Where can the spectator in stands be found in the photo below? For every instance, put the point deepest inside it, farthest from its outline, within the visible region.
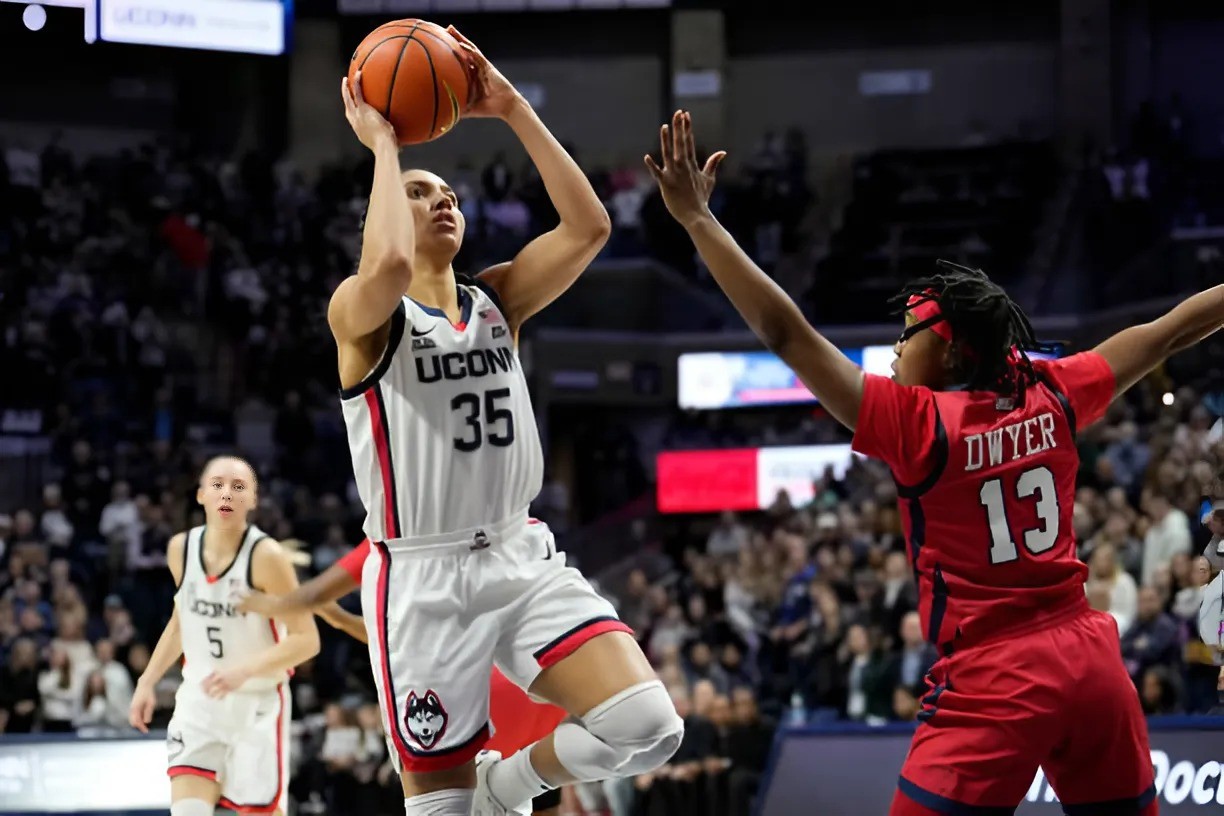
(1168, 534)
(728, 536)
(1106, 575)
(869, 694)
(916, 658)
(1153, 639)
(1160, 691)
(20, 701)
(61, 689)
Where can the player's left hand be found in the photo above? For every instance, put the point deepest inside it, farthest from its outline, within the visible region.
(492, 95)
(686, 186)
(220, 683)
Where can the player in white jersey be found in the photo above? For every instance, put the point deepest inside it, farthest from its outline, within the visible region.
(228, 738)
(447, 458)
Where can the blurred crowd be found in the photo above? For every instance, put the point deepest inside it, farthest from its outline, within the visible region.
(159, 307)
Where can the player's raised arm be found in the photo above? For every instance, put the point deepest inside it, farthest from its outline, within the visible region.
(364, 302)
(272, 572)
(772, 316)
(168, 650)
(548, 265)
(1133, 352)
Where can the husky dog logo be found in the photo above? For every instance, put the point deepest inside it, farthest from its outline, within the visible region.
(426, 718)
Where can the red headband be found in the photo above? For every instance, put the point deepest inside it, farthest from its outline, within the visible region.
(926, 314)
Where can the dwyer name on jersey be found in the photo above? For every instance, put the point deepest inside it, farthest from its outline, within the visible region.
(442, 433)
(1033, 435)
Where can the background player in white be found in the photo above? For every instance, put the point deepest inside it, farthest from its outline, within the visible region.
(447, 458)
(228, 737)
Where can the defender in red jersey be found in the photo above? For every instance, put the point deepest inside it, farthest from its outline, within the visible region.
(981, 441)
(518, 721)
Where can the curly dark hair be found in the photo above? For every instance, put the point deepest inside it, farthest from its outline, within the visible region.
(991, 333)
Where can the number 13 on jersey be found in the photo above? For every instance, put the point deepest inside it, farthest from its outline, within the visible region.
(1034, 485)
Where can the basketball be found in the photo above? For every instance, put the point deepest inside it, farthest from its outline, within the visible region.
(416, 75)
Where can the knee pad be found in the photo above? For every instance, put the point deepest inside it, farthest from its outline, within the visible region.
(631, 733)
(192, 807)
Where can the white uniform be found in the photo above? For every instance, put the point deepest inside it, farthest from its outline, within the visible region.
(242, 740)
(447, 457)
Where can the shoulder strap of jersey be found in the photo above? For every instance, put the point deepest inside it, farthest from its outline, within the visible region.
(253, 537)
(191, 551)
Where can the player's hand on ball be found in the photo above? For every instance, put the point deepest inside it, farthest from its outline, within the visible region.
(492, 93)
(140, 712)
(369, 125)
(220, 683)
(685, 184)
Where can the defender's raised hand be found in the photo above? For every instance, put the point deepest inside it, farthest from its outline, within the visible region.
(685, 185)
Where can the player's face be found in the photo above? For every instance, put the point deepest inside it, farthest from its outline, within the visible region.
(921, 359)
(227, 492)
(435, 213)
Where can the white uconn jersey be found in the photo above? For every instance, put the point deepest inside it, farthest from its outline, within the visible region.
(442, 434)
(215, 635)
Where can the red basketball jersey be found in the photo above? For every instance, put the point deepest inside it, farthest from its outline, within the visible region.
(986, 489)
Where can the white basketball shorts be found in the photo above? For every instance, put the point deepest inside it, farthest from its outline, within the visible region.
(241, 741)
(440, 617)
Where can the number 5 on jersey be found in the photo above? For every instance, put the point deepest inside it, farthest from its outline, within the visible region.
(500, 421)
(215, 647)
(1036, 484)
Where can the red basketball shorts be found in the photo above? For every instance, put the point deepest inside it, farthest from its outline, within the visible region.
(1057, 698)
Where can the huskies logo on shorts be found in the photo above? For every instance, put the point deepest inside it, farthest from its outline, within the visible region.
(425, 718)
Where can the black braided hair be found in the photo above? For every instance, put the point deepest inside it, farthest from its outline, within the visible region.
(986, 324)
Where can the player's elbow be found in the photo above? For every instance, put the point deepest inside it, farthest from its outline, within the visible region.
(599, 226)
(590, 231)
(394, 266)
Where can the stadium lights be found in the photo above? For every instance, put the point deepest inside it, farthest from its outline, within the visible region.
(35, 15)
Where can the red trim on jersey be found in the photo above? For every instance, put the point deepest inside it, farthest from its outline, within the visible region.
(460, 326)
(451, 758)
(388, 694)
(568, 643)
(274, 805)
(379, 429)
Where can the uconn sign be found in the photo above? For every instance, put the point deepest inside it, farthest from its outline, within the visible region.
(250, 26)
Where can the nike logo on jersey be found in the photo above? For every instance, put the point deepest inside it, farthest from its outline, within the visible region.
(456, 365)
(416, 333)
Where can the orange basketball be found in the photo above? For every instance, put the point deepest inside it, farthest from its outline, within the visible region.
(416, 75)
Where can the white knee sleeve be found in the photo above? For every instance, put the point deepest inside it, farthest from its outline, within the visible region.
(634, 732)
(449, 802)
(192, 807)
